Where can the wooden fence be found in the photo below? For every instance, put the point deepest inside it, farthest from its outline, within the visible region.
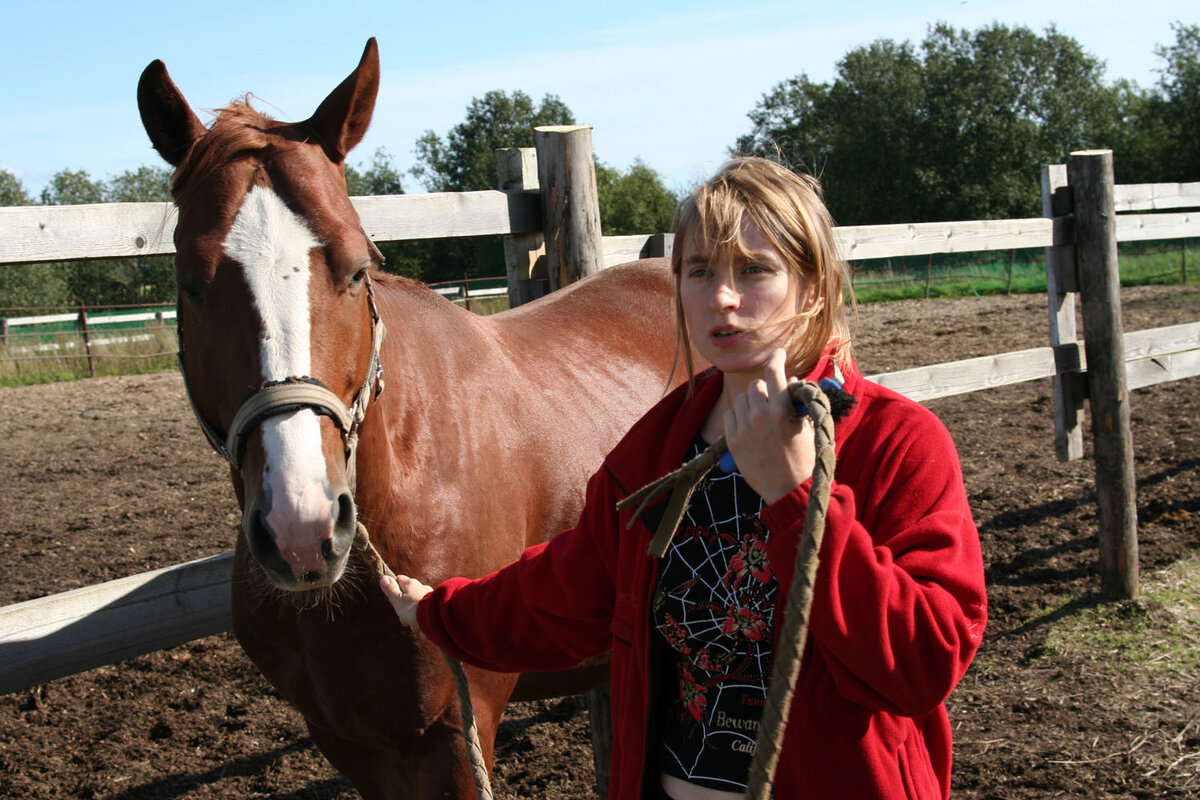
(62, 634)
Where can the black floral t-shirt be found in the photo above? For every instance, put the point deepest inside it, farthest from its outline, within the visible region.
(714, 606)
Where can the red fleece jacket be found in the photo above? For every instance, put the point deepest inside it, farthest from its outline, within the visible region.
(898, 611)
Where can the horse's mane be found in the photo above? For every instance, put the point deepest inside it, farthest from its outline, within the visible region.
(238, 130)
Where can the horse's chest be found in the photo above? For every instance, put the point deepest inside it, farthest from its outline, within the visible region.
(346, 671)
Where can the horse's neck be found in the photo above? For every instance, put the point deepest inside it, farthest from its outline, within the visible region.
(425, 355)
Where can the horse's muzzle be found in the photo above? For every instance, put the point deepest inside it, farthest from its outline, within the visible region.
(301, 551)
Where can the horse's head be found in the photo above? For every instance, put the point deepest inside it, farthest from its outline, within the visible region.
(276, 317)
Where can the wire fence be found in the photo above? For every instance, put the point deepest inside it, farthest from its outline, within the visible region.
(38, 344)
(1020, 271)
(57, 343)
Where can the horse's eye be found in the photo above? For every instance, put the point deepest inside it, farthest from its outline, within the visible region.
(192, 295)
(358, 277)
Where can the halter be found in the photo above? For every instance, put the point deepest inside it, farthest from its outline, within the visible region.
(294, 393)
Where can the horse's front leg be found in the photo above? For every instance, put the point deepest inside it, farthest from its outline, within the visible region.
(430, 765)
(434, 766)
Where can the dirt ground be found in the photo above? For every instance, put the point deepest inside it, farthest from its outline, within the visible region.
(110, 477)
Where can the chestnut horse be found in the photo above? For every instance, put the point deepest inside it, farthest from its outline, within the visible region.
(479, 446)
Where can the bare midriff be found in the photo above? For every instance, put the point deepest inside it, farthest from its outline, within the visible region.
(679, 789)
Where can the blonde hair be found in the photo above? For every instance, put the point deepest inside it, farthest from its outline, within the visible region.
(788, 209)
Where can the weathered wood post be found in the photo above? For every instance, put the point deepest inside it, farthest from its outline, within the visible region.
(1061, 285)
(570, 202)
(87, 339)
(524, 253)
(1090, 173)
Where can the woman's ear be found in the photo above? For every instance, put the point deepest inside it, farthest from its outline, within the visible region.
(811, 301)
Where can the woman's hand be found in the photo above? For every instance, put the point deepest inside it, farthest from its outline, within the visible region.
(404, 593)
(773, 447)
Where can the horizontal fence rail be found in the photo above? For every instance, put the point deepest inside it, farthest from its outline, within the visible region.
(43, 234)
(54, 636)
(1154, 196)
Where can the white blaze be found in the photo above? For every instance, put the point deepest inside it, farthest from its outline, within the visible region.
(273, 247)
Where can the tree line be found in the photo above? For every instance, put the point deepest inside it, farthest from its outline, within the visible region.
(959, 126)
(955, 127)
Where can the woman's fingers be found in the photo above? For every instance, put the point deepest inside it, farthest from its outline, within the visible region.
(775, 375)
(772, 446)
(403, 593)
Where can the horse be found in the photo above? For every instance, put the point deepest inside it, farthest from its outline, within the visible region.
(456, 441)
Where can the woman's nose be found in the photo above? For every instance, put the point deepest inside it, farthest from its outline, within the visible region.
(725, 295)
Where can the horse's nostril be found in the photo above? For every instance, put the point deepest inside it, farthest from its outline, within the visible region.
(345, 513)
(259, 534)
(310, 576)
(327, 548)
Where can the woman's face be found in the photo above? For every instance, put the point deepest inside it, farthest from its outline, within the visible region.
(738, 312)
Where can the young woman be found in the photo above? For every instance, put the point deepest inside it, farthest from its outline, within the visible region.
(899, 606)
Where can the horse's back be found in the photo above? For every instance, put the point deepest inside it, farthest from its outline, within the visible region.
(622, 318)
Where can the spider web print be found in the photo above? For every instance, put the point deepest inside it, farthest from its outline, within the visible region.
(714, 605)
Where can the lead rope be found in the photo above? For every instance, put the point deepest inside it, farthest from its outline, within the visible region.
(790, 648)
(479, 773)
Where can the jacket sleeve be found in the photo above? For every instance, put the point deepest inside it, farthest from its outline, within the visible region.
(549, 610)
(899, 604)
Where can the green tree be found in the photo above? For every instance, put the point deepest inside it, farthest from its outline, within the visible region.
(877, 105)
(956, 129)
(72, 187)
(381, 177)
(465, 160)
(1002, 102)
(378, 177)
(1154, 136)
(1176, 105)
(634, 201)
(141, 185)
(12, 191)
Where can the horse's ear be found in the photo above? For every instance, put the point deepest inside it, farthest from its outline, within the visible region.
(341, 121)
(166, 116)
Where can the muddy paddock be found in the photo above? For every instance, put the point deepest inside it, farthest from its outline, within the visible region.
(110, 477)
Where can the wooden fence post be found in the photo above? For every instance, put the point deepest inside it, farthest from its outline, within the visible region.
(1061, 285)
(524, 253)
(570, 203)
(1091, 177)
(87, 339)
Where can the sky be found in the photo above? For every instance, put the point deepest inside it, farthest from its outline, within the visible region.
(665, 81)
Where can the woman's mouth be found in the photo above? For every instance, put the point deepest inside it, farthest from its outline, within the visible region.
(724, 335)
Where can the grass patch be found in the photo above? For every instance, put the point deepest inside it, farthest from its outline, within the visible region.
(1160, 630)
(951, 275)
(62, 357)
